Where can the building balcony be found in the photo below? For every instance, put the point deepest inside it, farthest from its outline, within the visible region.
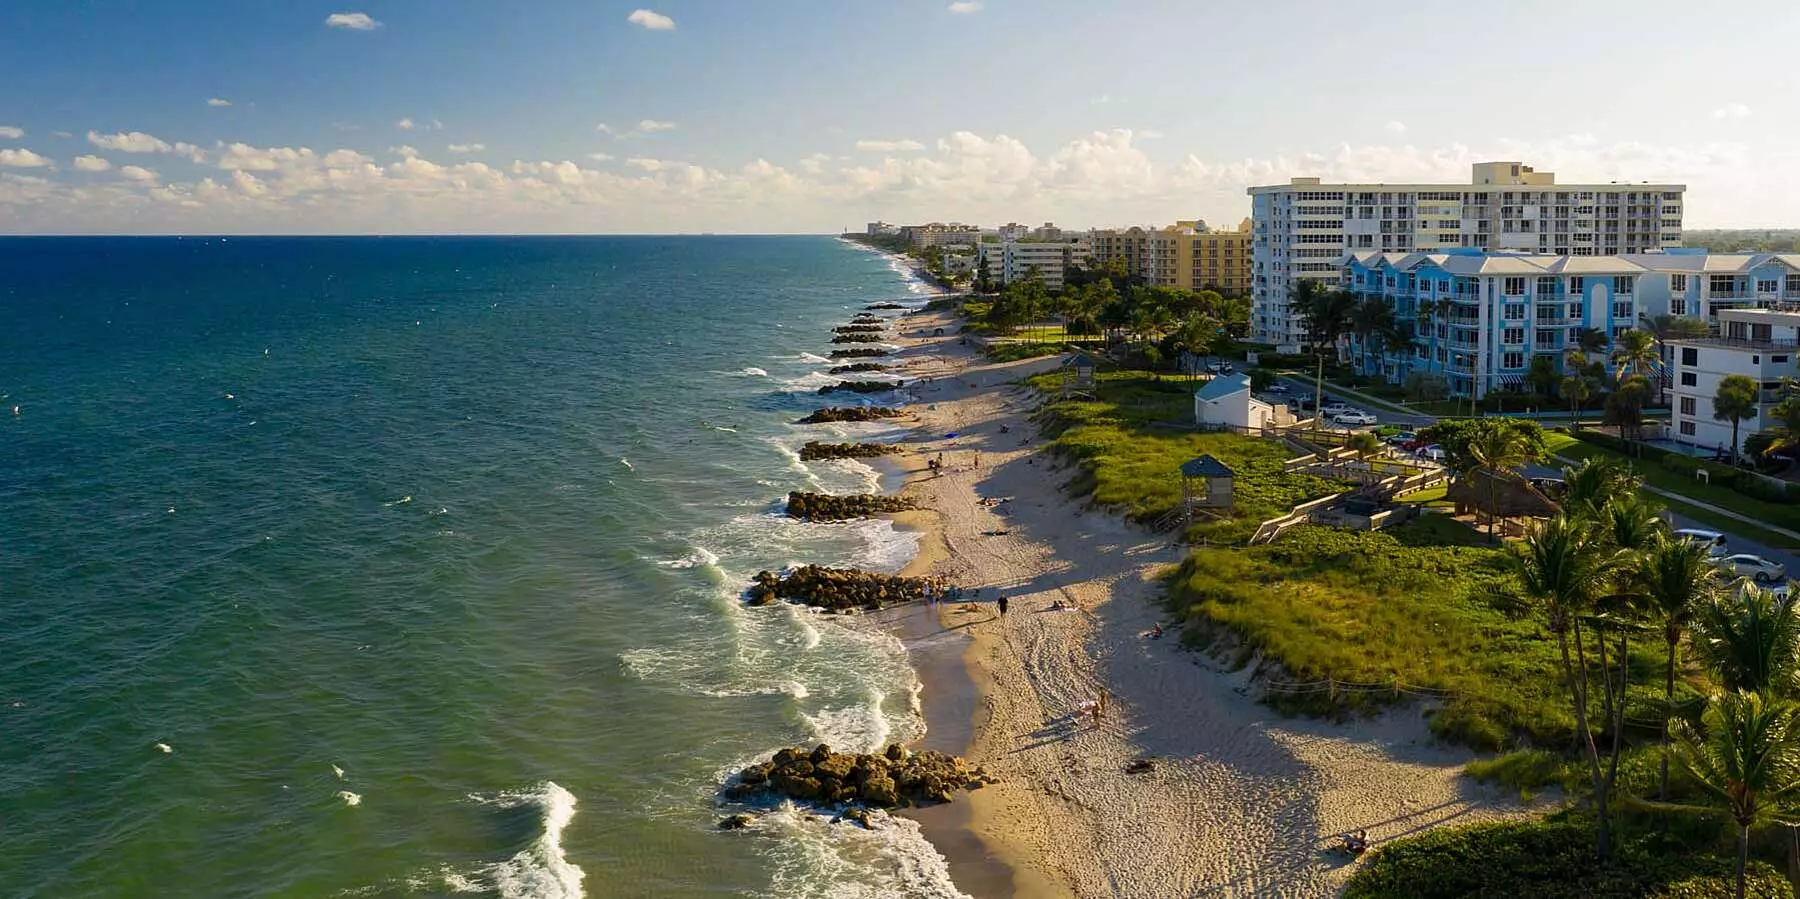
(1742, 343)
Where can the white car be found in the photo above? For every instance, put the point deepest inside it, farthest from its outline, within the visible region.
(1433, 452)
(1334, 408)
(1714, 541)
(1354, 419)
(1756, 568)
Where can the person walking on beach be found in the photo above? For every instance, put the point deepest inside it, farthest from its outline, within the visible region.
(1100, 706)
(1002, 604)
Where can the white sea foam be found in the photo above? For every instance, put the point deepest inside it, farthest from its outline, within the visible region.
(751, 372)
(809, 382)
(350, 799)
(540, 870)
(700, 556)
(399, 502)
(810, 859)
(857, 728)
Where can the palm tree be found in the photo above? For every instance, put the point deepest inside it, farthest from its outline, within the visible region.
(1674, 578)
(1563, 567)
(1635, 352)
(1787, 419)
(1735, 402)
(1750, 640)
(1595, 483)
(1664, 328)
(1633, 522)
(1497, 451)
(1590, 341)
(1625, 406)
(1369, 319)
(1745, 757)
(1542, 374)
(1576, 390)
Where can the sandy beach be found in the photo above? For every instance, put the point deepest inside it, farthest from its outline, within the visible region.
(1240, 800)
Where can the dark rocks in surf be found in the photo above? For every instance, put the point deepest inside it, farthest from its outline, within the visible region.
(827, 507)
(884, 306)
(861, 386)
(854, 328)
(735, 822)
(897, 777)
(859, 353)
(850, 413)
(837, 589)
(857, 338)
(814, 450)
(856, 367)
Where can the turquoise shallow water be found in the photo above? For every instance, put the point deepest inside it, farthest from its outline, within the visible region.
(462, 518)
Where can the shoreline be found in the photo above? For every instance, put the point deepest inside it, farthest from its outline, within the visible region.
(1240, 801)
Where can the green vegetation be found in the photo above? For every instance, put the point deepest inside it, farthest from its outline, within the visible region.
(1406, 604)
(1525, 770)
(1129, 455)
(1550, 859)
(1013, 352)
(1679, 480)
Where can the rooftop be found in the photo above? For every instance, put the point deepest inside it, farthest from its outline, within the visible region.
(1205, 467)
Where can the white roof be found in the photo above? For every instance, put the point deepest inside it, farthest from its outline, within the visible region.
(1473, 265)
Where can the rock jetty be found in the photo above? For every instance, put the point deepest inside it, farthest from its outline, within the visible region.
(859, 329)
(849, 413)
(856, 338)
(814, 450)
(895, 777)
(859, 353)
(884, 306)
(837, 589)
(861, 386)
(828, 507)
(867, 318)
(856, 367)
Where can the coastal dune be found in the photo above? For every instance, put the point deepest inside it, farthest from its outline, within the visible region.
(1237, 800)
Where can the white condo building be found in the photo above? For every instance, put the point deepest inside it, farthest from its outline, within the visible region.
(1760, 344)
(1303, 229)
(1008, 261)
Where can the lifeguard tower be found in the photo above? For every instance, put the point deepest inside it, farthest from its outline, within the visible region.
(1206, 485)
(1078, 376)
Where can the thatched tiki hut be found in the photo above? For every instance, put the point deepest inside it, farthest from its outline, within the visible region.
(1506, 496)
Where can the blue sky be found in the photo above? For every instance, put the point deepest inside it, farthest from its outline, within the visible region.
(464, 116)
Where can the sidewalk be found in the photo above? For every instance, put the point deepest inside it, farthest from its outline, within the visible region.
(1709, 507)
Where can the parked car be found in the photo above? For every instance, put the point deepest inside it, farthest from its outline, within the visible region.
(1401, 439)
(1333, 408)
(1278, 387)
(1714, 540)
(1354, 419)
(1433, 452)
(1220, 368)
(1756, 568)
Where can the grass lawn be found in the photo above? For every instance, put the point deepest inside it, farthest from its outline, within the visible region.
(1404, 604)
(1781, 515)
(1130, 462)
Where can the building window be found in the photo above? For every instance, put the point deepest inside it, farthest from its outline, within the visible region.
(1513, 287)
(1687, 405)
(1678, 307)
(1721, 285)
(1622, 284)
(1793, 284)
(1577, 285)
(1513, 312)
(1546, 286)
(1621, 310)
(1512, 360)
(1678, 283)
(1766, 285)
(1778, 359)
(1687, 429)
(1690, 356)
(1512, 336)
(1688, 379)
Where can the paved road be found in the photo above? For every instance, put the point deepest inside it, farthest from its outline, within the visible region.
(1303, 388)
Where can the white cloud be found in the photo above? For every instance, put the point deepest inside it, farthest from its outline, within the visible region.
(405, 125)
(403, 151)
(889, 146)
(437, 125)
(217, 101)
(652, 21)
(1732, 111)
(964, 7)
(815, 163)
(129, 142)
(652, 126)
(91, 164)
(64, 134)
(603, 128)
(249, 184)
(1396, 126)
(243, 157)
(354, 21)
(138, 173)
(11, 132)
(466, 148)
(23, 159)
(647, 164)
(600, 157)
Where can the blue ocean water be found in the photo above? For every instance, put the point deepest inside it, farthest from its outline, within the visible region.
(408, 567)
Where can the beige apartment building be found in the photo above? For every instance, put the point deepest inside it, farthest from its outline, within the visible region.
(1186, 254)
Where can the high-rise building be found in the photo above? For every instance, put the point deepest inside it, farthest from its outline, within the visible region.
(1008, 261)
(1302, 229)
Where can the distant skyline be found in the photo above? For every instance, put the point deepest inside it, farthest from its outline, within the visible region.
(807, 116)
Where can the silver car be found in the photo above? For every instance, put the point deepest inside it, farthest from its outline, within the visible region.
(1754, 567)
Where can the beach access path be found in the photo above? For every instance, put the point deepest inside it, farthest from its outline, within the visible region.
(1240, 800)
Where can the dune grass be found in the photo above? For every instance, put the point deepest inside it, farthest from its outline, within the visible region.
(1130, 444)
(1406, 605)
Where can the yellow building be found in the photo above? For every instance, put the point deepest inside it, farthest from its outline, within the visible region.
(1185, 254)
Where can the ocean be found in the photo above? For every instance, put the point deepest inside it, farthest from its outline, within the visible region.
(410, 567)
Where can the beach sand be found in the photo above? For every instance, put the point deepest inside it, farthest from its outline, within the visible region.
(1241, 801)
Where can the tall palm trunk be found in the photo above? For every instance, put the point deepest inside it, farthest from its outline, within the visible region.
(1585, 733)
(1743, 859)
(1672, 637)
